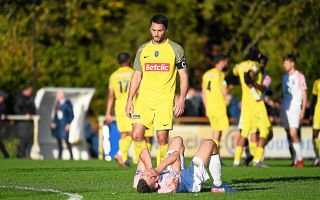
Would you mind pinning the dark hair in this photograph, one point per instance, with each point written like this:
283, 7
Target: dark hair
265, 58
123, 57
253, 53
143, 187
160, 19
219, 58
290, 57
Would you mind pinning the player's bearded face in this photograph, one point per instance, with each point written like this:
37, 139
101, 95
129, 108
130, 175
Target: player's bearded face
288, 65
158, 32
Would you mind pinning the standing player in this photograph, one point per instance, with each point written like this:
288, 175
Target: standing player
119, 82
213, 96
156, 65
294, 103
315, 112
253, 114
172, 176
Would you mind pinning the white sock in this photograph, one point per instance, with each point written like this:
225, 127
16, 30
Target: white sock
256, 96
297, 149
215, 169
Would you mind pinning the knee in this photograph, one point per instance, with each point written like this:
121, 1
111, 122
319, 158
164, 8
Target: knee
177, 140
211, 145
137, 136
162, 139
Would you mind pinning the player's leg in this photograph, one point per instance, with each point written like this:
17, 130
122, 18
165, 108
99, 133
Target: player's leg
124, 145
296, 145
149, 137
239, 148
138, 138
316, 146
163, 138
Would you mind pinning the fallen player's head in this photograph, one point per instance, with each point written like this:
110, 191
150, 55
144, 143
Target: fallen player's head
147, 185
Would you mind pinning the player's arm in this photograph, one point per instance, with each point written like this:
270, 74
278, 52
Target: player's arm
304, 104
144, 160
111, 99
173, 160
180, 104
134, 85
232, 77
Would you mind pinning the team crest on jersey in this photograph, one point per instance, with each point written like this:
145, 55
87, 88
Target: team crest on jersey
136, 116
156, 53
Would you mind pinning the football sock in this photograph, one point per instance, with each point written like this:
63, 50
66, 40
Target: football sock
215, 169
252, 147
161, 154
237, 155
126, 143
258, 155
138, 147
316, 146
297, 149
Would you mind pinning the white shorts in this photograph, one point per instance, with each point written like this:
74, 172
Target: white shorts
193, 177
290, 118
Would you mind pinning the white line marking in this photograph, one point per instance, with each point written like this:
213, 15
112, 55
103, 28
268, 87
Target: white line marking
70, 195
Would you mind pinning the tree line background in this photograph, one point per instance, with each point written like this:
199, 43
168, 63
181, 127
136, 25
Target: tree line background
74, 43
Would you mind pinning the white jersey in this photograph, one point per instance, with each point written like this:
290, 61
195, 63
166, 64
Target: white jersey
292, 88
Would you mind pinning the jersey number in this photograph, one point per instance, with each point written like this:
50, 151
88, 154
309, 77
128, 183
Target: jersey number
123, 85
209, 86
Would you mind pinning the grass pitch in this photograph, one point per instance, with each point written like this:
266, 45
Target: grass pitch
54, 179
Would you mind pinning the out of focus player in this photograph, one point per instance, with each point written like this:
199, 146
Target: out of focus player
315, 113
294, 103
254, 114
213, 96
119, 82
156, 65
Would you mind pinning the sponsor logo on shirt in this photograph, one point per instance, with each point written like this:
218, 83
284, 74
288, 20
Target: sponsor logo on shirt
157, 67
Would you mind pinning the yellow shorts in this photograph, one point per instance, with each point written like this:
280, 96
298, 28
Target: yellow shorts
316, 120
254, 118
159, 119
219, 123
124, 123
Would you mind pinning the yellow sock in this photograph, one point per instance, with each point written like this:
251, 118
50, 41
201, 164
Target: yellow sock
258, 155
138, 147
237, 155
161, 154
149, 146
217, 143
253, 147
316, 146
126, 143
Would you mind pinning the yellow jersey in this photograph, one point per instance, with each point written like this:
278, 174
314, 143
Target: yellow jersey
158, 64
119, 82
213, 83
316, 92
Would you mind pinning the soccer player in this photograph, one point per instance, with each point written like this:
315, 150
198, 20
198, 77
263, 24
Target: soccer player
213, 96
119, 82
172, 176
315, 113
156, 65
294, 103
253, 114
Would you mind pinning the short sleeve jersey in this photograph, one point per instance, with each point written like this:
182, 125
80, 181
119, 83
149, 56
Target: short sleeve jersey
240, 70
213, 83
316, 92
292, 89
119, 82
159, 64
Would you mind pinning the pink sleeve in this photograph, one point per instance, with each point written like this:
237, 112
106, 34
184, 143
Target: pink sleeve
266, 81
170, 182
302, 81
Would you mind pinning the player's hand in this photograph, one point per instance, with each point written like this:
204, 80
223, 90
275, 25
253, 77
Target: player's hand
301, 115
129, 109
67, 128
179, 107
108, 118
53, 125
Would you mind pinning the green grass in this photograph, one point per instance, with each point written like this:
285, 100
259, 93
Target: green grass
105, 180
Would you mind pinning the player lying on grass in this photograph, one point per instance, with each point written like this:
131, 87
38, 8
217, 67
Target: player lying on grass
172, 176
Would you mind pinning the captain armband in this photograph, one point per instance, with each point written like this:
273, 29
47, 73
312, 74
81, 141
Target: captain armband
182, 64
